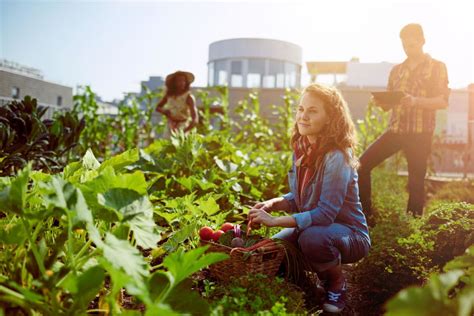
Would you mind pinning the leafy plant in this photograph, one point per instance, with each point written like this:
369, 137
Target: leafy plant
64, 235
24, 137
447, 293
255, 295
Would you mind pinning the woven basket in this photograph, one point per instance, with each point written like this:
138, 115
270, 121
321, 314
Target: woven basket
264, 260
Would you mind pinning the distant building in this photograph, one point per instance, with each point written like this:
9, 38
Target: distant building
153, 83
18, 81
254, 63
352, 73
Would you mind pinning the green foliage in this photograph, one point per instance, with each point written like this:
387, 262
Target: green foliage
255, 295
456, 191
131, 221
96, 132
406, 251
131, 127
24, 137
371, 127
447, 293
60, 231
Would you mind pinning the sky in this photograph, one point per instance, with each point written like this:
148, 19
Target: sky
113, 45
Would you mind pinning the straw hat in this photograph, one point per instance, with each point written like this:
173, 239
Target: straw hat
189, 76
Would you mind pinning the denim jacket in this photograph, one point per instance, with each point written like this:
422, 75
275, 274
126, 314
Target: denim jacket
331, 197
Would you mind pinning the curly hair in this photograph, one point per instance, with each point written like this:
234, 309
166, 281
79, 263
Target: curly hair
340, 133
171, 89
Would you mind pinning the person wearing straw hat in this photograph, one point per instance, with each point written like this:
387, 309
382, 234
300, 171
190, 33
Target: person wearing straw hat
178, 104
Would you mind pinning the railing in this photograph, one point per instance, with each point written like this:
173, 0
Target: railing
49, 113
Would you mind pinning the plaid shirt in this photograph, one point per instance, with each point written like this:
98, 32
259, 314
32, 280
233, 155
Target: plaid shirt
428, 79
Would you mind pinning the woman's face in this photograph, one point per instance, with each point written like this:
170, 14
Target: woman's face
311, 116
180, 82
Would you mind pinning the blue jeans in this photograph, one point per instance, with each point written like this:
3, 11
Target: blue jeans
327, 246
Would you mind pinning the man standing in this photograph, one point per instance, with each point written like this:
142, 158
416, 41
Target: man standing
424, 81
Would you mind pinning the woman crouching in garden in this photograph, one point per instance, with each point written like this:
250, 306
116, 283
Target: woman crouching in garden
328, 225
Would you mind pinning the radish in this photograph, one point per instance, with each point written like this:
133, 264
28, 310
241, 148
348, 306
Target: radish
206, 233
217, 234
237, 242
226, 227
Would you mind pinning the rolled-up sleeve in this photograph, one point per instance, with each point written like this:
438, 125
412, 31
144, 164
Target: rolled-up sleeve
337, 174
290, 197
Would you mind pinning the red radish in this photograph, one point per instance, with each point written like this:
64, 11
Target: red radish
227, 226
217, 234
206, 233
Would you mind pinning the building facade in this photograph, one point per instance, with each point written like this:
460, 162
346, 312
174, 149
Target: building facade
17, 81
254, 63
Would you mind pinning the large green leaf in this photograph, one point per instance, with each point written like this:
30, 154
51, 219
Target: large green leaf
122, 160
84, 287
465, 261
12, 232
180, 298
181, 264
64, 195
107, 180
71, 169
89, 162
82, 171
209, 206
160, 309
466, 300
134, 210
179, 237
13, 197
124, 257
429, 300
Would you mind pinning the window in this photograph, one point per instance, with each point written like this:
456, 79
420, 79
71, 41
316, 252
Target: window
220, 73
236, 78
253, 80
210, 75
277, 70
255, 73
269, 81
290, 80
59, 100
15, 93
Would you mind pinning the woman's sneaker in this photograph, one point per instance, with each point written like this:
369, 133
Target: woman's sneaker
335, 301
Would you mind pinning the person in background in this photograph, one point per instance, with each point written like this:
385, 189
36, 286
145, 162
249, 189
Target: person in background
178, 104
424, 80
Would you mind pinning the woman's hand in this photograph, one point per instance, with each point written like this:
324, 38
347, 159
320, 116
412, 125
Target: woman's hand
260, 216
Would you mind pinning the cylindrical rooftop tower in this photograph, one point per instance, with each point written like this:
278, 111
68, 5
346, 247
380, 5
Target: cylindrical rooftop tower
254, 63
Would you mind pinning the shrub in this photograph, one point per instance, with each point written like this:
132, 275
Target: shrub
456, 191
406, 251
24, 137
253, 295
